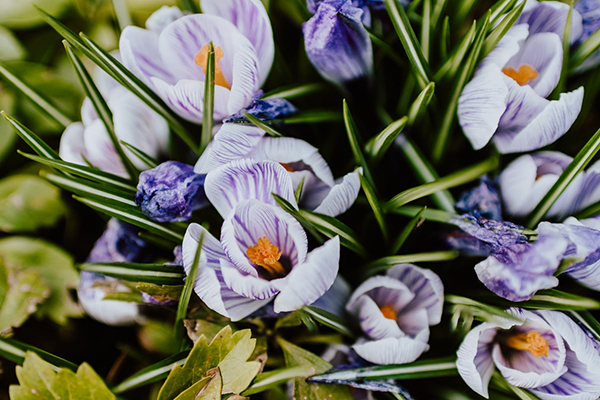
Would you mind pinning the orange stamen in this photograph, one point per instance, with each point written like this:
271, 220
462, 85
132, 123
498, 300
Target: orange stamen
202, 58
533, 342
388, 312
266, 255
523, 76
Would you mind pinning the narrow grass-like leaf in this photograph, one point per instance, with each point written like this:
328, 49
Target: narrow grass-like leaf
159, 274
499, 31
499, 9
566, 44
32, 140
262, 125
426, 29
328, 319
142, 156
353, 138
421, 102
378, 145
151, 374
190, 5
307, 320
585, 155
267, 380
428, 214
456, 179
584, 50
186, 295
298, 191
40, 101
209, 99
460, 82
407, 231
552, 299
133, 216
291, 92
104, 113
445, 38
122, 13
419, 369
590, 211
330, 227
587, 320
409, 41
387, 49
436, 13
286, 206
481, 309
106, 179
384, 263
14, 351
312, 117
375, 205
450, 67
425, 171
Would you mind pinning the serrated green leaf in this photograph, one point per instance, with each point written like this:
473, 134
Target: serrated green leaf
54, 266
28, 203
236, 372
38, 380
20, 294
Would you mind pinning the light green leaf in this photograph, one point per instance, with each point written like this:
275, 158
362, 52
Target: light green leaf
209, 99
54, 266
22, 14
20, 293
162, 274
11, 48
236, 372
162, 292
150, 374
296, 356
28, 203
157, 336
39, 381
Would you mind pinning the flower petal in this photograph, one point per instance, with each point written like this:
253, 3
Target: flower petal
251, 19
384, 290
508, 47
100, 151
248, 286
391, 350
247, 179
310, 280
336, 298
162, 17
245, 78
72, 145
341, 197
372, 321
551, 17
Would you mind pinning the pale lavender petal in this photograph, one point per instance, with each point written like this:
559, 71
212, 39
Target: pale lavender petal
427, 287
391, 350
252, 220
517, 183
341, 197
414, 322
251, 19
508, 47
88, 112
246, 179
245, 78
589, 192
72, 145
373, 323
311, 279
336, 298
246, 285
474, 358
232, 142
551, 17
162, 17
384, 290
537, 126
104, 82
578, 383
100, 151
482, 104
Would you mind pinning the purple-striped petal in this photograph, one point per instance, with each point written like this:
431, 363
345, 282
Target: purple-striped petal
578, 383
247, 179
246, 80
309, 280
247, 285
162, 17
373, 323
474, 358
391, 350
384, 290
341, 196
589, 192
551, 17
251, 19
507, 48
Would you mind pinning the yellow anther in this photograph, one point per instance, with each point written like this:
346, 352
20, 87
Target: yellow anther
533, 342
202, 58
523, 76
266, 255
388, 312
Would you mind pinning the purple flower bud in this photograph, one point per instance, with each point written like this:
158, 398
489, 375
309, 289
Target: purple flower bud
170, 192
482, 201
337, 43
265, 110
119, 243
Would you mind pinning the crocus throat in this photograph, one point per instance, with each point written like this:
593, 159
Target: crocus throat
388, 312
533, 342
202, 58
266, 255
288, 167
523, 76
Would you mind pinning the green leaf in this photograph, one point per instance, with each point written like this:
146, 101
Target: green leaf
161, 292
426, 29
53, 265
500, 30
11, 48
328, 319
450, 67
429, 214
421, 103
162, 274
16, 351
270, 379
289, 208
151, 374
409, 41
378, 145
298, 191
298, 357
585, 155
36, 144
407, 230
375, 205
353, 138
28, 203
584, 50
311, 117
22, 14
209, 99
260, 124
38, 380
228, 352
290, 92
552, 299
456, 179
384, 263
139, 154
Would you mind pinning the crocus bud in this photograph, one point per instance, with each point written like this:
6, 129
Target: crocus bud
337, 43
170, 192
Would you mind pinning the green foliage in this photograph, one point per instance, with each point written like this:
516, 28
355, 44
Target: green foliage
39, 380
28, 203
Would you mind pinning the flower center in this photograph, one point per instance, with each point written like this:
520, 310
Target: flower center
533, 342
523, 76
265, 254
202, 58
388, 312
288, 167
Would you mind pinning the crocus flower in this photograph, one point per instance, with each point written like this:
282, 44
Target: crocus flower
262, 255
590, 13
546, 353
170, 192
265, 110
171, 59
119, 243
395, 312
337, 43
505, 101
320, 192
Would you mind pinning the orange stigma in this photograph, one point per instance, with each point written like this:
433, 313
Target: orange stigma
523, 76
266, 255
202, 58
388, 312
288, 167
533, 342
